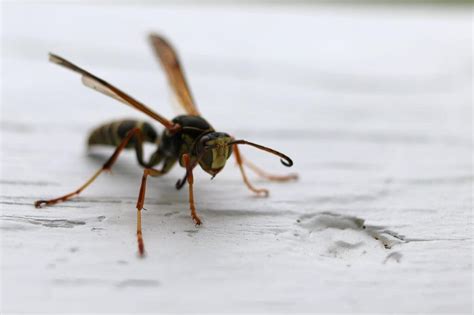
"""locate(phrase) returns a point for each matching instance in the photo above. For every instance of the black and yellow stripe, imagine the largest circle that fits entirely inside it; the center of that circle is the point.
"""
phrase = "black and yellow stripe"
(114, 132)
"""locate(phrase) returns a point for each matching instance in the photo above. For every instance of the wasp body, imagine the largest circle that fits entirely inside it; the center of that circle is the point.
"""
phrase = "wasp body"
(187, 139)
(113, 133)
(171, 147)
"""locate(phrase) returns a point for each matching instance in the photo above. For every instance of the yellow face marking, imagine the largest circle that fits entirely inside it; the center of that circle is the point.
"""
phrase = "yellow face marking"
(220, 153)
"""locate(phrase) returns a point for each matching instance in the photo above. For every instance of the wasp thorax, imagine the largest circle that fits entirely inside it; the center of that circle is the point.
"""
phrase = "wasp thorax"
(215, 150)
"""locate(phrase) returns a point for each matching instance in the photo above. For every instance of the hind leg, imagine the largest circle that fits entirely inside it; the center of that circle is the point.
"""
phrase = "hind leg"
(271, 177)
(132, 134)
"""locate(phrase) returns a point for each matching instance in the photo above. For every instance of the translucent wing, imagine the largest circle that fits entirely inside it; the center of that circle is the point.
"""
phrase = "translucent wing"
(170, 62)
(108, 89)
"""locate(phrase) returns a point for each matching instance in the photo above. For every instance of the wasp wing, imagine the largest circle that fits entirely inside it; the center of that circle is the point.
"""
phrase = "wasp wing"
(108, 89)
(170, 62)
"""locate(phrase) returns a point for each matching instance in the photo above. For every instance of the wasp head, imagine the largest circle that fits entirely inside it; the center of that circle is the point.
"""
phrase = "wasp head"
(214, 150)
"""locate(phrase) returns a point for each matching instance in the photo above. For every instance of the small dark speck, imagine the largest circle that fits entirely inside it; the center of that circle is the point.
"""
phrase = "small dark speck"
(96, 229)
(73, 249)
(296, 234)
(174, 232)
(101, 218)
(298, 221)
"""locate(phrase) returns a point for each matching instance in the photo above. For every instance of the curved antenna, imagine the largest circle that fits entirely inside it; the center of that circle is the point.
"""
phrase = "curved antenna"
(285, 160)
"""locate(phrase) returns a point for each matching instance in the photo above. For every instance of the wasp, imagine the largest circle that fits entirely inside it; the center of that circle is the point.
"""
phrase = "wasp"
(187, 139)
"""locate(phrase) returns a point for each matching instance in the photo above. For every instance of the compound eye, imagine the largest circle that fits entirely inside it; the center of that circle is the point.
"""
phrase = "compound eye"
(203, 140)
(209, 146)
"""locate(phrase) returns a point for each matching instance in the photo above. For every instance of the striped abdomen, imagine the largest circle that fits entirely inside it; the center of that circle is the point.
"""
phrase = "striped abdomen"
(113, 133)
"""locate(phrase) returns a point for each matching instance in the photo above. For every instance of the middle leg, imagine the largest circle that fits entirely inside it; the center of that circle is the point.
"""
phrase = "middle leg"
(140, 202)
(190, 178)
(238, 158)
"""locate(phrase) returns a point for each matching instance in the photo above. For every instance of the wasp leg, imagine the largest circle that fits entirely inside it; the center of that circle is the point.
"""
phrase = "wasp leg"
(106, 167)
(190, 177)
(140, 202)
(271, 177)
(259, 191)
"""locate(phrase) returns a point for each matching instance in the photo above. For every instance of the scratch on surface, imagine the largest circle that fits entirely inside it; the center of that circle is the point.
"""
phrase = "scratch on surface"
(137, 283)
(411, 240)
(349, 245)
(79, 281)
(115, 200)
(347, 199)
(76, 282)
(246, 213)
(77, 202)
(15, 202)
(167, 214)
(441, 180)
(55, 223)
(27, 183)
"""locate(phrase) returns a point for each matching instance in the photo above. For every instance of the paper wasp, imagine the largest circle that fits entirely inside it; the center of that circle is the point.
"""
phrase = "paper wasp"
(188, 139)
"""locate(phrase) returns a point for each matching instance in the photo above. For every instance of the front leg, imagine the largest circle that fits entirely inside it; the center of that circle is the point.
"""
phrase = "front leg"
(190, 178)
(259, 191)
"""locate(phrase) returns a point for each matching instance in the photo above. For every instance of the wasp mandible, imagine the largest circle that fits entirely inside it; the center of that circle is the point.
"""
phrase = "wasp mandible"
(187, 139)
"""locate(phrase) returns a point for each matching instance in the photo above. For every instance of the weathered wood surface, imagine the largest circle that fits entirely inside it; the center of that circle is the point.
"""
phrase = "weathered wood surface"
(374, 106)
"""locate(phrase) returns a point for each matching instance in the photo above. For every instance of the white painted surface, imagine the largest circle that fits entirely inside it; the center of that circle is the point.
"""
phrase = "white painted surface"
(373, 105)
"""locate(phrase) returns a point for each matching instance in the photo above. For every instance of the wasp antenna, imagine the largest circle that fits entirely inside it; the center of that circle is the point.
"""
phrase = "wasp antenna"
(285, 160)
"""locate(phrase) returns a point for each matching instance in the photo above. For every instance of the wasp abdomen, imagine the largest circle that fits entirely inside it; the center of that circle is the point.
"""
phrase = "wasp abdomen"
(113, 133)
